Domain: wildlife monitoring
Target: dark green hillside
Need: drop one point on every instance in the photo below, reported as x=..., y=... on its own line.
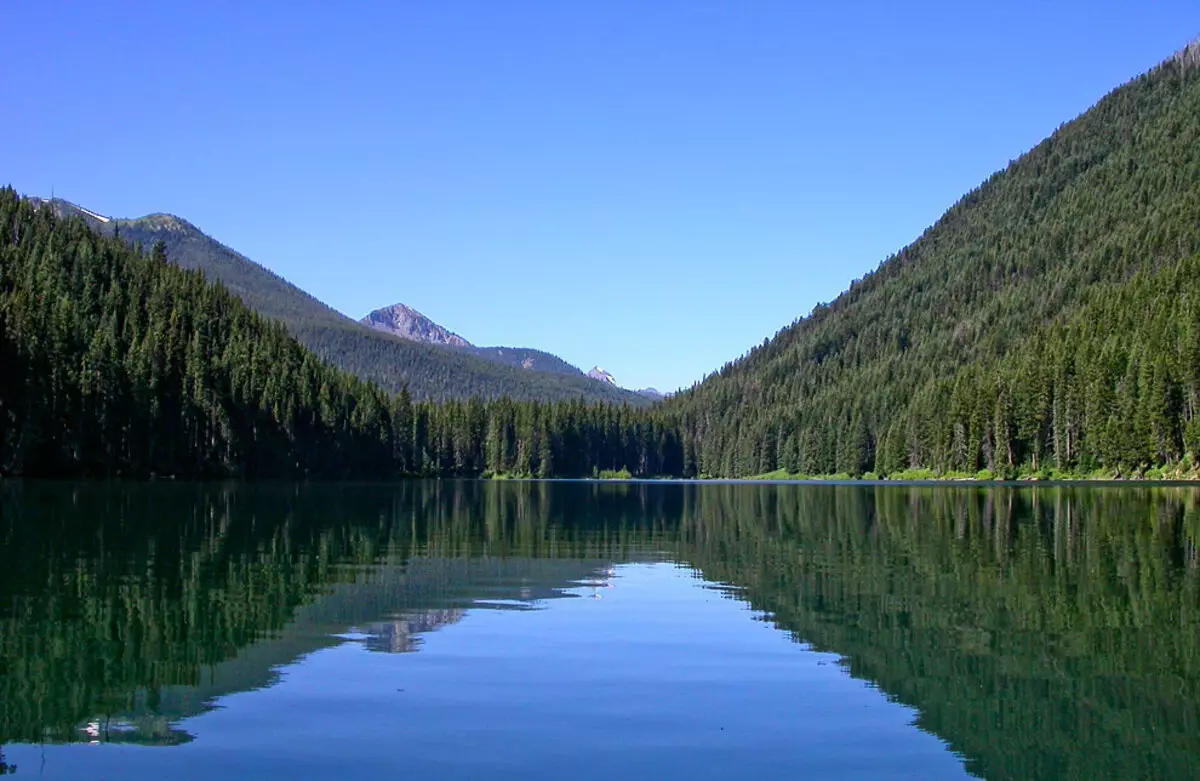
x=429, y=372
x=112, y=362
x=527, y=358
x=1047, y=319
x=118, y=363
x=402, y=320
x=1048, y=323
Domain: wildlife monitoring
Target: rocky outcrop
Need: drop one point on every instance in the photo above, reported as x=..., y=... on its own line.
x=408, y=323
x=602, y=376
x=1189, y=56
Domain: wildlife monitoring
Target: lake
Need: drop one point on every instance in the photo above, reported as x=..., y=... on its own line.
x=550, y=630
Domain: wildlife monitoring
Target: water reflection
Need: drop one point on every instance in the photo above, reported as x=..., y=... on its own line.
x=1046, y=632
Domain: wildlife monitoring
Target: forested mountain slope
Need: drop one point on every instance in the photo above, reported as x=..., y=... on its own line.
x=117, y=363
x=406, y=322
x=1050, y=318
x=529, y=359
x=429, y=372
x=1048, y=322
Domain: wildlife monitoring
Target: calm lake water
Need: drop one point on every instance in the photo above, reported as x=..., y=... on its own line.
x=599, y=631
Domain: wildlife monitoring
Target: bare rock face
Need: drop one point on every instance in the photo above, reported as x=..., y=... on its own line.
x=408, y=323
x=600, y=374
x=67, y=209
x=1189, y=56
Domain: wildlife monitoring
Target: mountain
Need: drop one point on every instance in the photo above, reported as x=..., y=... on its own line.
x=1049, y=321
x=528, y=359
x=602, y=376
x=407, y=323
x=117, y=363
x=114, y=362
x=1047, y=324
x=426, y=370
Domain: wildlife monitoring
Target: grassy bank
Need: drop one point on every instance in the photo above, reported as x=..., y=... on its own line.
x=1183, y=470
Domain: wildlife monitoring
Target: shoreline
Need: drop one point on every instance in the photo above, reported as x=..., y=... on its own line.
x=1188, y=480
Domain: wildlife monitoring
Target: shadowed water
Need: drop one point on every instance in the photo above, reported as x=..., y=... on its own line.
x=552, y=630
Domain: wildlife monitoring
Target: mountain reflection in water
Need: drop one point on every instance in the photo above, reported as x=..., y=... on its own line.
x=1041, y=632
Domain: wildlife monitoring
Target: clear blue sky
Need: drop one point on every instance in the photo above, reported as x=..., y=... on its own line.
x=649, y=186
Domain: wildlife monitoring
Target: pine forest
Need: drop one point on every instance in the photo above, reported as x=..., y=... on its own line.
x=1047, y=325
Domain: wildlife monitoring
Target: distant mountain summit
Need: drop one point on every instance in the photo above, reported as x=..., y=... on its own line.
x=427, y=369
x=408, y=323
x=601, y=375
x=68, y=209
x=379, y=357
x=1189, y=56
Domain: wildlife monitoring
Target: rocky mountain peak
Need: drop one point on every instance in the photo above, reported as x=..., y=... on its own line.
x=408, y=323
x=64, y=208
x=603, y=376
x=1189, y=56
x=165, y=222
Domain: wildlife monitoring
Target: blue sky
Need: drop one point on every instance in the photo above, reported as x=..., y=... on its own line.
x=653, y=187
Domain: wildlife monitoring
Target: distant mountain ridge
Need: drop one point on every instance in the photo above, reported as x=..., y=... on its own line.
x=427, y=371
x=529, y=359
x=1189, y=56
x=602, y=375
x=407, y=323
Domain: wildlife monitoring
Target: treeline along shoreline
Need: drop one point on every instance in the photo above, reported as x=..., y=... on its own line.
x=1048, y=325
